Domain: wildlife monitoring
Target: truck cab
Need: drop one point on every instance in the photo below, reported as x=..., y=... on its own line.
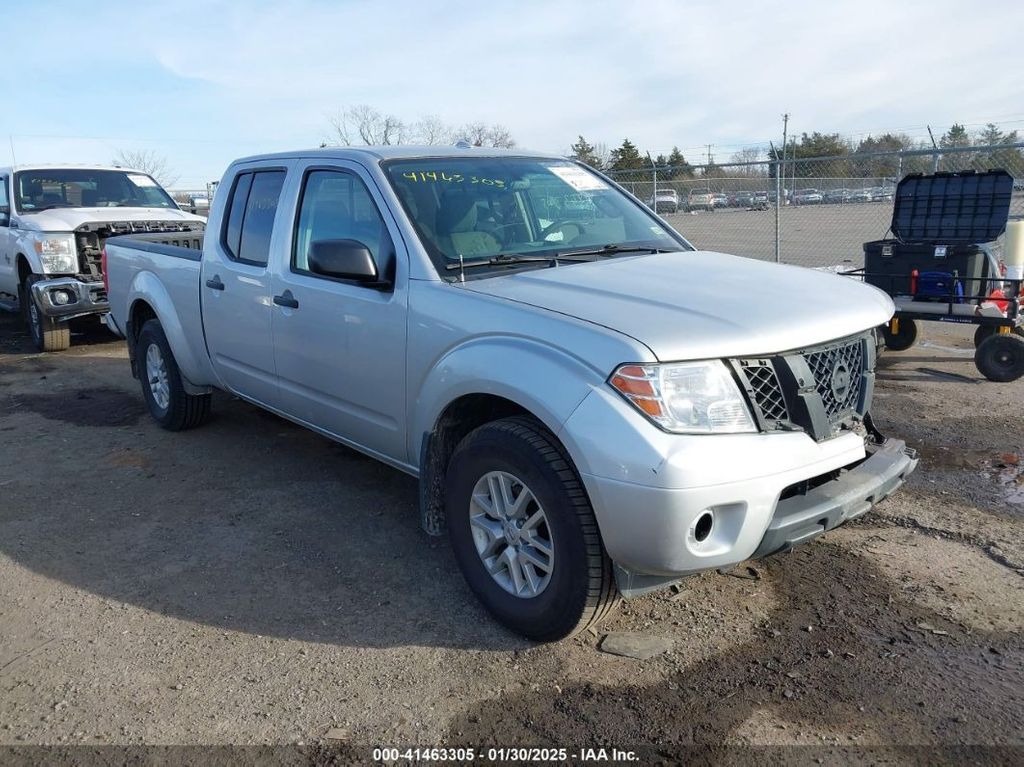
x=54, y=221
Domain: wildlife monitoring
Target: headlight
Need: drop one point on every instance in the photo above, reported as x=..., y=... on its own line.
x=686, y=397
x=57, y=252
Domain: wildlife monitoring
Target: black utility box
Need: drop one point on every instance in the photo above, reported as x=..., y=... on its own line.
x=938, y=222
x=889, y=264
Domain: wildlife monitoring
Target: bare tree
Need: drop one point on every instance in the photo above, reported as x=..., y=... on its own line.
x=480, y=134
x=150, y=162
x=431, y=130
x=362, y=124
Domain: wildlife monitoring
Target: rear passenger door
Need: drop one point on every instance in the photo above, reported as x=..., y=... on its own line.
x=236, y=285
x=340, y=344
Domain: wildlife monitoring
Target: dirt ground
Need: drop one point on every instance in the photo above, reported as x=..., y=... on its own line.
x=253, y=583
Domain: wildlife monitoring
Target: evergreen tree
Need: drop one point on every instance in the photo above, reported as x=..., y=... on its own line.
x=627, y=157
x=586, y=153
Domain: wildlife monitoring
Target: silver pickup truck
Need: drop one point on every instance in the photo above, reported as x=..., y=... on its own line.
x=593, y=408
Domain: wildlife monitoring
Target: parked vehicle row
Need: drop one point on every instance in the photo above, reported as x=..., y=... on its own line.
x=706, y=200
x=587, y=418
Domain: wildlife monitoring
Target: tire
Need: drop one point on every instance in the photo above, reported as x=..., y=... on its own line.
x=904, y=339
x=48, y=334
x=162, y=388
x=1000, y=358
x=986, y=331
x=579, y=589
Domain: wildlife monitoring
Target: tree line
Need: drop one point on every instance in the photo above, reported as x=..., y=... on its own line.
x=847, y=158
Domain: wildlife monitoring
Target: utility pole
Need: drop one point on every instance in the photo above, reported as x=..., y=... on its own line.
x=935, y=157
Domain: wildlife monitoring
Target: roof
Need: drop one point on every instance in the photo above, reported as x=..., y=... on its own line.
x=66, y=166
x=398, y=152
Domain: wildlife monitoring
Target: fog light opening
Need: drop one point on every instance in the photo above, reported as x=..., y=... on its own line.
x=702, y=529
x=62, y=297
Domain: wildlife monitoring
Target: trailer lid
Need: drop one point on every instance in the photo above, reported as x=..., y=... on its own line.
x=966, y=207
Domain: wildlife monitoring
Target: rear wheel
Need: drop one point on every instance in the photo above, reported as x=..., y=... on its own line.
x=1000, y=357
x=48, y=334
x=524, y=533
x=170, y=405
x=987, y=331
x=904, y=337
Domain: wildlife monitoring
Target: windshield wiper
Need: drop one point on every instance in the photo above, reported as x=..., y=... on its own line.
x=610, y=250
x=502, y=259
x=51, y=206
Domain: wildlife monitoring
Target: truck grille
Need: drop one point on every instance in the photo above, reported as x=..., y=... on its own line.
x=841, y=373
x=837, y=372
x=766, y=389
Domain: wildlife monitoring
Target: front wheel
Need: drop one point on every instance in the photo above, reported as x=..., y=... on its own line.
x=162, y=387
x=904, y=337
x=524, y=533
x=48, y=334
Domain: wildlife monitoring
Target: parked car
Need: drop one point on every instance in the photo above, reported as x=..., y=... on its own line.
x=719, y=200
x=581, y=426
x=744, y=199
x=761, y=200
x=862, y=195
x=838, y=196
x=882, y=194
x=700, y=201
x=54, y=221
x=665, y=201
x=807, y=197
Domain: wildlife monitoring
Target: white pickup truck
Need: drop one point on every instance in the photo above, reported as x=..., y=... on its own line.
x=593, y=408
x=54, y=221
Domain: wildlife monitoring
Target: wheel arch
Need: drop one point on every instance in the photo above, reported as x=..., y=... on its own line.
x=460, y=417
x=482, y=380
x=148, y=299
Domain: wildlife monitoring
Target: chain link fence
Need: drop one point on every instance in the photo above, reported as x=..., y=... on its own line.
x=815, y=212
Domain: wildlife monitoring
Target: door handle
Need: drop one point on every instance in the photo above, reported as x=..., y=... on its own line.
x=215, y=283
x=286, y=299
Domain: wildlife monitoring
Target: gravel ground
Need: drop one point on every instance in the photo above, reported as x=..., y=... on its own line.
x=252, y=583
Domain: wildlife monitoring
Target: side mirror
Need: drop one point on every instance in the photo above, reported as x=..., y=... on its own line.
x=343, y=260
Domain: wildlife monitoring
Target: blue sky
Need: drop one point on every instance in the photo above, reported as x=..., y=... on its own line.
x=204, y=82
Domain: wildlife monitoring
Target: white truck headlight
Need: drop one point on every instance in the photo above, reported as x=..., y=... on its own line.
x=686, y=397
x=57, y=253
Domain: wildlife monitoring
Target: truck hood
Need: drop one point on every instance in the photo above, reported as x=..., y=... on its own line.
x=69, y=219
x=700, y=304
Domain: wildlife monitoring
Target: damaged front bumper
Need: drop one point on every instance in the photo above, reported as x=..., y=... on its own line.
x=795, y=514
x=65, y=298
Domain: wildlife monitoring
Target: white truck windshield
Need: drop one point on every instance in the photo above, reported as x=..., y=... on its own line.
x=46, y=188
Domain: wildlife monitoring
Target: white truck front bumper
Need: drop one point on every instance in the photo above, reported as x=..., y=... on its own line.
x=65, y=298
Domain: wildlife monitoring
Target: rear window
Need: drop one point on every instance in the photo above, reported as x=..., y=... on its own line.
x=251, y=211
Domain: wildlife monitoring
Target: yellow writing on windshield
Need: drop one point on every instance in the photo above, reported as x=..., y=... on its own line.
x=441, y=176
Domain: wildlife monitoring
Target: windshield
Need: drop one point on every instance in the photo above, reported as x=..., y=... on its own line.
x=479, y=208
x=46, y=188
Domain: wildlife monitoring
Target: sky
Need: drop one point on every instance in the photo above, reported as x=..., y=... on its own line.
x=201, y=83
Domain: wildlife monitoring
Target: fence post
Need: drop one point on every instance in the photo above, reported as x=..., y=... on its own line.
x=778, y=208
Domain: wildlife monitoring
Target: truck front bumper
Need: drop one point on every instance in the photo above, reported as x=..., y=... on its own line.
x=65, y=298
x=672, y=505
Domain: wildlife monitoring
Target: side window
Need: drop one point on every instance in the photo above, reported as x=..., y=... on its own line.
x=336, y=205
x=4, y=202
x=251, y=210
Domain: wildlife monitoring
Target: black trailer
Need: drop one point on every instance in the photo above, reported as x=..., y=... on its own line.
x=939, y=267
